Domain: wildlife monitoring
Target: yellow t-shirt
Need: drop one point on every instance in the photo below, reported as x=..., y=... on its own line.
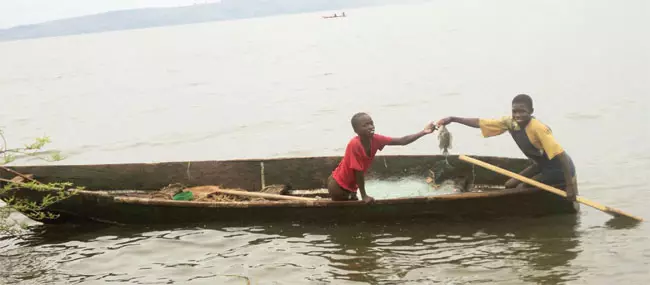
x=540, y=135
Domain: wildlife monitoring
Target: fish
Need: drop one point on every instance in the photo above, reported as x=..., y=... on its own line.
x=444, y=138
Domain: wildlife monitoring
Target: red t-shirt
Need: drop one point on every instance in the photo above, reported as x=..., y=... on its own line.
x=356, y=159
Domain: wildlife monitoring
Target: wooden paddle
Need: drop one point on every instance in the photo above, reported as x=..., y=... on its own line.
x=608, y=210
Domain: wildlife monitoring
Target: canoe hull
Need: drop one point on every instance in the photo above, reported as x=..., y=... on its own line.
x=305, y=173
x=87, y=207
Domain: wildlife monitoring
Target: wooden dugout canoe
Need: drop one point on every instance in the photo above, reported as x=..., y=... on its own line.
x=107, y=187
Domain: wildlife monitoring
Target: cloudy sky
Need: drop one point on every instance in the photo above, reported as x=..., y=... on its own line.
x=22, y=12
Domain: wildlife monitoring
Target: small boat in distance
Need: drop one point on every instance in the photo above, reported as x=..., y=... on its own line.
x=335, y=16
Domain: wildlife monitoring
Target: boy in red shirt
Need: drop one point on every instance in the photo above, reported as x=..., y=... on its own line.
x=359, y=154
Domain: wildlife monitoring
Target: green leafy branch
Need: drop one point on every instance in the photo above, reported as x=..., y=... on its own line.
x=33, y=150
x=37, y=211
x=32, y=208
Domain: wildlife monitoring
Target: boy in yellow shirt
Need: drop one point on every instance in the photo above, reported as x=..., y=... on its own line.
x=552, y=165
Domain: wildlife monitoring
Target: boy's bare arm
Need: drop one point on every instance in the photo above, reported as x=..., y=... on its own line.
x=429, y=128
x=361, y=182
x=407, y=139
x=470, y=122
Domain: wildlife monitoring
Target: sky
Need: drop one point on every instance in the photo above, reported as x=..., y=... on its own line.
x=23, y=12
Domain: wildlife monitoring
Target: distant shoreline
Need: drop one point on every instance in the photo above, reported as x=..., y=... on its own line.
x=225, y=10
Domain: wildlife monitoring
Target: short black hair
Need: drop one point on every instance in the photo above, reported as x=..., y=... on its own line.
x=356, y=118
x=524, y=99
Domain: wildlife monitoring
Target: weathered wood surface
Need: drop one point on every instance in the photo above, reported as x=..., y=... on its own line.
x=101, y=206
x=101, y=203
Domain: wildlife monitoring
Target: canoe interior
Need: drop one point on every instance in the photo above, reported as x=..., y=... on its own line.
x=250, y=174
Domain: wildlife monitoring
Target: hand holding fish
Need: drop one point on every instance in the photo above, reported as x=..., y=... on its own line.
x=429, y=128
x=470, y=122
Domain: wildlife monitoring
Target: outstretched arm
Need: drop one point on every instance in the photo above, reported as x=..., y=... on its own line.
x=470, y=122
x=429, y=128
x=407, y=139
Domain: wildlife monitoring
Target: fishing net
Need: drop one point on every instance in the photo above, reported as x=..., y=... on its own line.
x=446, y=173
x=180, y=192
x=442, y=169
x=226, y=198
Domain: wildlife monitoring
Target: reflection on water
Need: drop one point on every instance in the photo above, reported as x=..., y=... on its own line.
x=540, y=249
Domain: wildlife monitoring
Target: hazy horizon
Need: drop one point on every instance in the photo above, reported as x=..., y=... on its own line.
x=159, y=15
x=14, y=13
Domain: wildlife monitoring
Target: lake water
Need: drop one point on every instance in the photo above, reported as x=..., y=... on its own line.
x=288, y=85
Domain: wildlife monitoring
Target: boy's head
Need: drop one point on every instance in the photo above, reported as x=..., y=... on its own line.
x=363, y=124
x=522, y=109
